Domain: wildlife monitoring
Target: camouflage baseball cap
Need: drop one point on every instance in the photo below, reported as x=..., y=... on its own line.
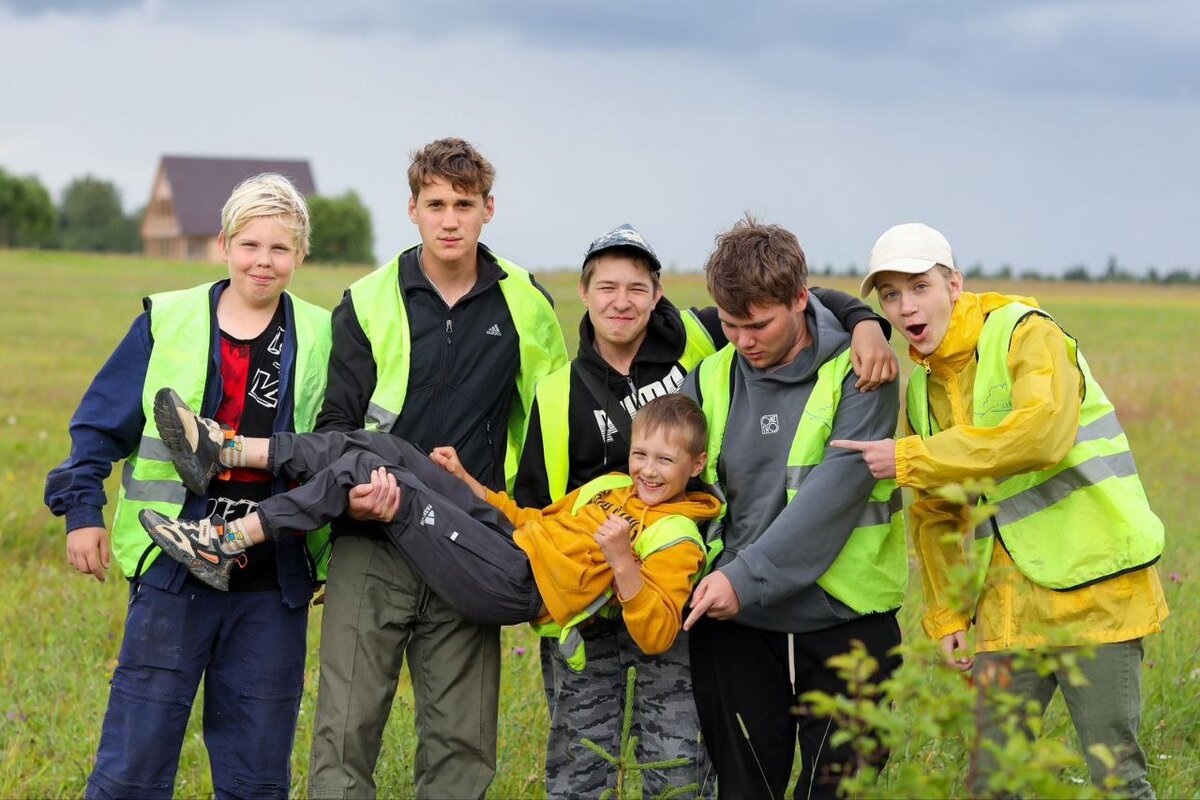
x=624, y=236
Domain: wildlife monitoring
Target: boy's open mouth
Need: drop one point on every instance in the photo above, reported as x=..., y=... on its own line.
x=915, y=331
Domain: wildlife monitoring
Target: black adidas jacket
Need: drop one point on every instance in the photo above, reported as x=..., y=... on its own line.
x=458, y=394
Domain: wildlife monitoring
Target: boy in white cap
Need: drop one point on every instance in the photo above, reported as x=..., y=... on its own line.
x=1002, y=392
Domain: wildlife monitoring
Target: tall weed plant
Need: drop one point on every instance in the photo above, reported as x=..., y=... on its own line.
x=929, y=716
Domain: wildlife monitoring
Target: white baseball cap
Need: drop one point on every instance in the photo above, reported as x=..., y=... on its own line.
x=911, y=247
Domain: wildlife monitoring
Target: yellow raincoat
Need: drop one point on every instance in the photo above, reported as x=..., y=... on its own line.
x=1012, y=611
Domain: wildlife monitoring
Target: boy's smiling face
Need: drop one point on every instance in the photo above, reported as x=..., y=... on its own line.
x=619, y=297
x=919, y=305
x=661, y=465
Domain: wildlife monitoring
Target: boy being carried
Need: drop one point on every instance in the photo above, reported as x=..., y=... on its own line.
x=633, y=536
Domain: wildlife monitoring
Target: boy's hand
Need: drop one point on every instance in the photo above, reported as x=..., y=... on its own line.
x=714, y=596
x=446, y=457
x=880, y=455
x=613, y=538
x=376, y=501
x=874, y=361
x=87, y=551
x=953, y=643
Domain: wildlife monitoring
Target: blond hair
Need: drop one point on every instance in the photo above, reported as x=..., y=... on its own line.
x=268, y=195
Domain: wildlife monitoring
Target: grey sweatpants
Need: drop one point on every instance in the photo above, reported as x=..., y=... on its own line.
x=459, y=545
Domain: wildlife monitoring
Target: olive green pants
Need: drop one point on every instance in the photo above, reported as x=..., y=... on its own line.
x=376, y=611
x=1108, y=711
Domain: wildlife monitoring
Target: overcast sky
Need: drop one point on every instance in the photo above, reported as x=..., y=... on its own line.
x=1036, y=134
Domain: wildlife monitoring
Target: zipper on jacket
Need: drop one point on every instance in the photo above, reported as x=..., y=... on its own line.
x=443, y=371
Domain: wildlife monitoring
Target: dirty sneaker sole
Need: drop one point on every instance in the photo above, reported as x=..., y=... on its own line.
x=167, y=533
x=194, y=447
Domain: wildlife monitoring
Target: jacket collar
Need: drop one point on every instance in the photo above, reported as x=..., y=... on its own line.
x=966, y=322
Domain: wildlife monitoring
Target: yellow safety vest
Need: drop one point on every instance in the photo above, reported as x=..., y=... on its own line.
x=181, y=324
x=1083, y=520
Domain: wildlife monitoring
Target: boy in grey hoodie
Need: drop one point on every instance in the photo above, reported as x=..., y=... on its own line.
x=813, y=545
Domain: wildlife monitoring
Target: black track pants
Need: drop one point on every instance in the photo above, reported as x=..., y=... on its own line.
x=460, y=545
x=740, y=678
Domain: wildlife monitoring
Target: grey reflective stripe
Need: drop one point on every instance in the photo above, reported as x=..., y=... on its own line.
x=796, y=476
x=598, y=603
x=880, y=512
x=1044, y=495
x=1107, y=427
x=153, y=449
x=671, y=543
x=984, y=530
x=570, y=643
x=385, y=420
x=151, y=491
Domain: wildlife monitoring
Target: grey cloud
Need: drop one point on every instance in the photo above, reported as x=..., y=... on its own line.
x=31, y=8
x=1100, y=47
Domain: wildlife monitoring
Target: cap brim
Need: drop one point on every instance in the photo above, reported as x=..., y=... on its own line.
x=655, y=264
x=911, y=266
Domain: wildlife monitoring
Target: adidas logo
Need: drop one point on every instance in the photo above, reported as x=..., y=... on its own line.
x=427, y=516
x=493, y=331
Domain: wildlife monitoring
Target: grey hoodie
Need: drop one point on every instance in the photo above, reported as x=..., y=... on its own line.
x=774, y=550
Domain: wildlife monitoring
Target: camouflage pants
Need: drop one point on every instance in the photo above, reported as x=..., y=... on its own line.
x=590, y=704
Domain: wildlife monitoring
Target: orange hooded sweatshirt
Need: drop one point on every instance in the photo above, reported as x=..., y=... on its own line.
x=571, y=571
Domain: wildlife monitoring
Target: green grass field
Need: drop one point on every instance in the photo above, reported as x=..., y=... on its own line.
x=60, y=633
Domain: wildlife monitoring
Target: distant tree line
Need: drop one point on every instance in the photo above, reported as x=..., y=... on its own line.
x=90, y=218
x=1113, y=272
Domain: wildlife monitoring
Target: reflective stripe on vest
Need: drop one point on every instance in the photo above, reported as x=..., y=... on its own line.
x=871, y=572
x=181, y=327
x=554, y=402
x=661, y=534
x=383, y=316
x=1084, y=519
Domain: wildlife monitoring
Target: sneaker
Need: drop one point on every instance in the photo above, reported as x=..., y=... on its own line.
x=194, y=543
x=194, y=441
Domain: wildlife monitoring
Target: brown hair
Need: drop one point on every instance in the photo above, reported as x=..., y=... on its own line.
x=632, y=253
x=675, y=415
x=455, y=161
x=755, y=265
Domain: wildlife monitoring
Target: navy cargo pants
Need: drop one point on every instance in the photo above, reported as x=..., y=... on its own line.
x=248, y=646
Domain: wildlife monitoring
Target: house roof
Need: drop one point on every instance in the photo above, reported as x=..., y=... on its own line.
x=200, y=186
